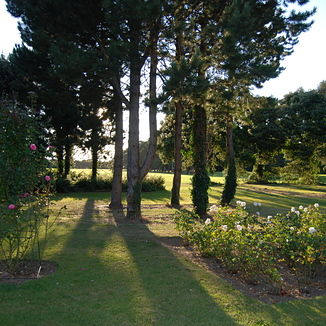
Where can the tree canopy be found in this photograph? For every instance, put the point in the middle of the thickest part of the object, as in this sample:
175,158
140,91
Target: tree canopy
90,49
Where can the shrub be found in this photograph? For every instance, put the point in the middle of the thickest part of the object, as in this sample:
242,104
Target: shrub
152,183
230,184
255,246
83,182
25,185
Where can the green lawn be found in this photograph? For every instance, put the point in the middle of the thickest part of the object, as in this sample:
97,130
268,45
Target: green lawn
111,272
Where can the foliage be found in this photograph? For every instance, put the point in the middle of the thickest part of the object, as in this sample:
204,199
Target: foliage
256,246
199,195
82,181
304,119
227,45
230,184
25,185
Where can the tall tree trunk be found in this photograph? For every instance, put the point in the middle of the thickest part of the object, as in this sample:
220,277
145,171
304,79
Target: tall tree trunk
60,156
68,157
59,149
151,151
200,180
229,141
175,192
133,170
118,155
94,149
231,177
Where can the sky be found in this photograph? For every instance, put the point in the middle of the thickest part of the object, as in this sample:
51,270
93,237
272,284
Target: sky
304,68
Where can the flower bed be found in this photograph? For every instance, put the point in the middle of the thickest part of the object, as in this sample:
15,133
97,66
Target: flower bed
259,247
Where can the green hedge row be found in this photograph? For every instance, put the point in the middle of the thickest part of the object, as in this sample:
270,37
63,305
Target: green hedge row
78,182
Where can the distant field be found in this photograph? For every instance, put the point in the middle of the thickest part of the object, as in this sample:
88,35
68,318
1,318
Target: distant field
275,198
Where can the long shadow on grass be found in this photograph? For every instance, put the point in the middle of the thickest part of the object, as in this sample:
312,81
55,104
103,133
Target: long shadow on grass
173,286
98,281
120,275
113,272
182,293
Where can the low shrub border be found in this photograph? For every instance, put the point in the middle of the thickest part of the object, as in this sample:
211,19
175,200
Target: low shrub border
79,182
257,246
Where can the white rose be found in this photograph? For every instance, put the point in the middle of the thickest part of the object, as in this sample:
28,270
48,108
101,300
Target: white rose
208,221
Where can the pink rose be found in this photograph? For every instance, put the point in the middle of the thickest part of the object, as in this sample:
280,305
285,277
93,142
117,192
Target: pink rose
32,147
47,178
26,194
11,206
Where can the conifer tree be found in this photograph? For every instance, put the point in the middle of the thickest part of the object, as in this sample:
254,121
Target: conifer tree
238,43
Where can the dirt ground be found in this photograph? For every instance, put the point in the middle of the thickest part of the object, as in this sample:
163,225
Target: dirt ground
28,270
291,287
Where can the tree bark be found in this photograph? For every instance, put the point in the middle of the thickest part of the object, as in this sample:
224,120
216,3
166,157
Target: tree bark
231,177
175,192
67,159
200,179
152,117
229,141
133,170
94,149
118,155
59,152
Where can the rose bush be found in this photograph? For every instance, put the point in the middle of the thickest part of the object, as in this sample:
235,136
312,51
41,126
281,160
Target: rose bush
257,246
25,185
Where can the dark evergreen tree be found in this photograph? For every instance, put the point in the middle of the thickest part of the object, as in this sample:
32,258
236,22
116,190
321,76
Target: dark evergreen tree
55,100
266,137
304,119
6,77
241,44
229,44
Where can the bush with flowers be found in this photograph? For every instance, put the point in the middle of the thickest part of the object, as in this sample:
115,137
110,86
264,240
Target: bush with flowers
256,247
25,186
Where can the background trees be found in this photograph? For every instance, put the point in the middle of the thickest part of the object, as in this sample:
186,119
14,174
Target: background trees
304,119
225,48
91,55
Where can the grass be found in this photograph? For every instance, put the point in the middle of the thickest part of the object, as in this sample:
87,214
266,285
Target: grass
115,273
